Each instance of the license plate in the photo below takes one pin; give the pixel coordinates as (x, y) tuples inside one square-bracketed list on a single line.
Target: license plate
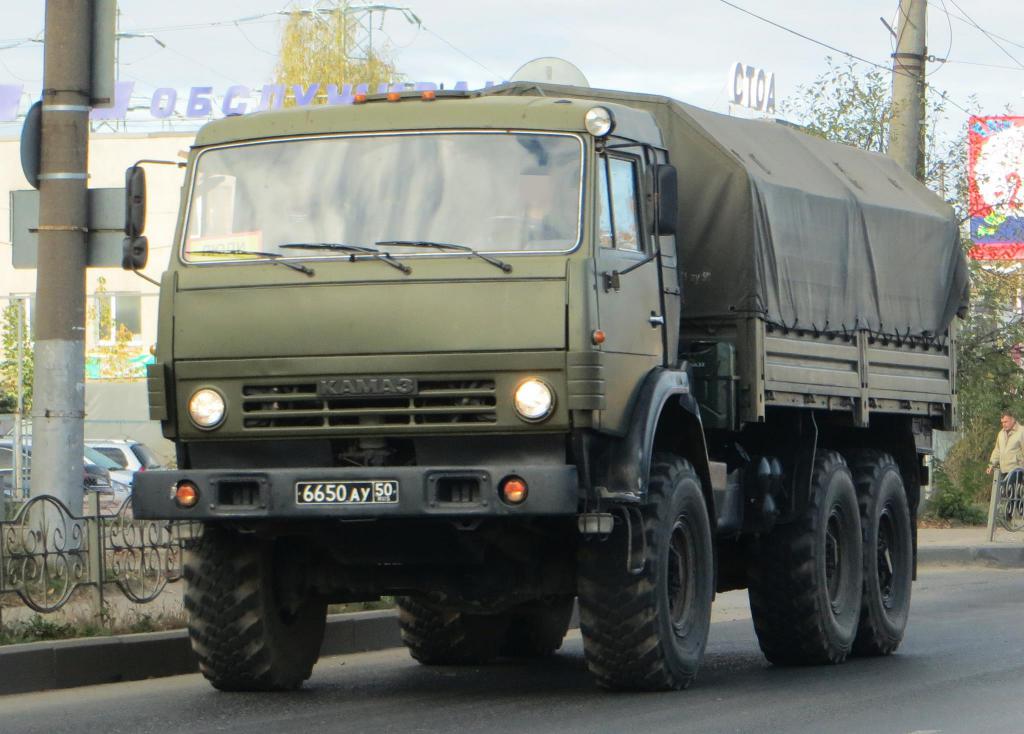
[(369, 492)]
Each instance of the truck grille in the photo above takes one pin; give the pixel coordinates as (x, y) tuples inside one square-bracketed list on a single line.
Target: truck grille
[(297, 405)]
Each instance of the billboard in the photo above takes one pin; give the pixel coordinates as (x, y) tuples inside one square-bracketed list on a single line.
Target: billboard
[(995, 178)]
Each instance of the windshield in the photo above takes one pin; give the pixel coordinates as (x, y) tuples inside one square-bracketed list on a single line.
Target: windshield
[(495, 192), (104, 462)]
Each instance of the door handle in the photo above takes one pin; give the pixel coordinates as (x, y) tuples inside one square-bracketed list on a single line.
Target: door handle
[(656, 320)]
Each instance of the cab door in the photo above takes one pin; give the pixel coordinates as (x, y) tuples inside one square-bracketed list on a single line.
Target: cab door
[(629, 303)]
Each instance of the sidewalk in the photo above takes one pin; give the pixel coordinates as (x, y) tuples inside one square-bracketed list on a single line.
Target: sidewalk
[(947, 546)]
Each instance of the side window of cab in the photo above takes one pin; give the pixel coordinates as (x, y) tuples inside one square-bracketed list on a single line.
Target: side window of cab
[(618, 204)]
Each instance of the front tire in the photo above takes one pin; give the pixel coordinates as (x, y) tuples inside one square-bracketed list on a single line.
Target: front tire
[(888, 553), (648, 631), (243, 636), (805, 580)]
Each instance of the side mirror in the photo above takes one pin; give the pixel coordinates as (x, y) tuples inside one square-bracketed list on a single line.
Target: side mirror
[(134, 201), (134, 253), (668, 198)]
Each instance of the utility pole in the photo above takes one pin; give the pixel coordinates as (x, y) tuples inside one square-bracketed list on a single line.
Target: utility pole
[(905, 130), (59, 401)]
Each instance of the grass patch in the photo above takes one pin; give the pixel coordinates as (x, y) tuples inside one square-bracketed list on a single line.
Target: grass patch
[(385, 602), (39, 628)]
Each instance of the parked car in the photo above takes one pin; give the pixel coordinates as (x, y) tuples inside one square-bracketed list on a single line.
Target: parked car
[(117, 472), (131, 455), (96, 473)]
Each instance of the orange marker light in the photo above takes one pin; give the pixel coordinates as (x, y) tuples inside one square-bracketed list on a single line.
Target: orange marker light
[(429, 95), (186, 494), (514, 490), (597, 337), (358, 98), (394, 96)]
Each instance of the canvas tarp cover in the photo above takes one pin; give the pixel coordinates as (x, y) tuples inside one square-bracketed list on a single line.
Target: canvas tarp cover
[(800, 231)]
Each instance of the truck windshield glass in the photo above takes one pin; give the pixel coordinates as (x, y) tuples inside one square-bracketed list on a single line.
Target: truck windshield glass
[(494, 192)]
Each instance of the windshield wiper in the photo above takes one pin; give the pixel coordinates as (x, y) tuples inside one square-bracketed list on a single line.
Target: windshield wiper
[(353, 250), (505, 267), (273, 257)]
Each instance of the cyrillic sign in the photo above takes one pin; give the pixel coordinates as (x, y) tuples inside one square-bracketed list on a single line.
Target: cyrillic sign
[(203, 102), (752, 87)]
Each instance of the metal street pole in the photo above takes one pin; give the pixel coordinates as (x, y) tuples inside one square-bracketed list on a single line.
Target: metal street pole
[(19, 412), (908, 88), (59, 400)]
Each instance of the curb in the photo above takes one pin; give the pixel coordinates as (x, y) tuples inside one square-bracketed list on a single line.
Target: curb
[(997, 556), (39, 666)]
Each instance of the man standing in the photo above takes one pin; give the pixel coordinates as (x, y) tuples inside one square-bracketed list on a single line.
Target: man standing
[(1009, 451)]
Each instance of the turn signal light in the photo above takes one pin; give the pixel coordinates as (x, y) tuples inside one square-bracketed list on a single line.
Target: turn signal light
[(186, 494), (514, 490), (597, 337)]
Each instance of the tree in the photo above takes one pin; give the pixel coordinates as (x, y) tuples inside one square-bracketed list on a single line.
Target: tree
[(115, 359), (845, 105), (9, 363), (320, 46), (848, 105)]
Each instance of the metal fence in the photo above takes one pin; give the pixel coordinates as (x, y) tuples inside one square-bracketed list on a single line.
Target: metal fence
[(1010, 502), (47, 553)]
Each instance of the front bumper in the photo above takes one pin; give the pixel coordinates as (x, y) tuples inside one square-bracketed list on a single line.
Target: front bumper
[(270, 494)]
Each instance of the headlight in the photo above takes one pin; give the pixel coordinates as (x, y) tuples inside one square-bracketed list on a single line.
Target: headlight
[(206, 408), (599, 121), (534, 400)]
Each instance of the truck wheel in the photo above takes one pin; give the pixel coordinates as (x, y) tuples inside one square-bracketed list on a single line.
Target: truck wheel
[(244, 639), (439, 636), (537, 629), (648, 631), (805, 582), (888, 553)]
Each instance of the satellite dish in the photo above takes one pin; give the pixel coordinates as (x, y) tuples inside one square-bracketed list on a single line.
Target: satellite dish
[(550, 70)]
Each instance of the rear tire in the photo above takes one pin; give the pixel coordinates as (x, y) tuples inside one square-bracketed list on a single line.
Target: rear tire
[(436, 635), (244, 639), (647, 632), (537, 629), (805, 580), (888, 553)]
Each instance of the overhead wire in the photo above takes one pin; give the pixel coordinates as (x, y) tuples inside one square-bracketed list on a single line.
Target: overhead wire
[(944, 59), (461, 52), (990, 36), (844, 52)]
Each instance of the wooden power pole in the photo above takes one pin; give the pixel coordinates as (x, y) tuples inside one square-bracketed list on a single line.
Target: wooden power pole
[(905, 130)]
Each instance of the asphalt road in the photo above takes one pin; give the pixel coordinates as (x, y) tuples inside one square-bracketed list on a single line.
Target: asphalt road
[(960, 669)]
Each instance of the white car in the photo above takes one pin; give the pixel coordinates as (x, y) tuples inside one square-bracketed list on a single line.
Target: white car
[(130, 456), (117, 472)]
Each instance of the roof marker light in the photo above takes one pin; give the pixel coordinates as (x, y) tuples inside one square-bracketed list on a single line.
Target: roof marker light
[(599, 121)]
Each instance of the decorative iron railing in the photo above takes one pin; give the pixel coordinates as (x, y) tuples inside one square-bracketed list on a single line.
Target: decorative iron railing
[(1009, 511), (47, 553)]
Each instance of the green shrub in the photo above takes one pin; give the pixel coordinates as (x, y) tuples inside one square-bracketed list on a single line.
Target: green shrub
[(958, 500)]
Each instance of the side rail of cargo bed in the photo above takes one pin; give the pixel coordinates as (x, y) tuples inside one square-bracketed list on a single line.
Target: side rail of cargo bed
[(760, 366)]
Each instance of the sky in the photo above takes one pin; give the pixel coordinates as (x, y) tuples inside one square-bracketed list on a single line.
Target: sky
[(681, 48)]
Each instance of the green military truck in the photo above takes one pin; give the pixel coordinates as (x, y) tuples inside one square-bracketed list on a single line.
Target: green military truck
[(493, 352)]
